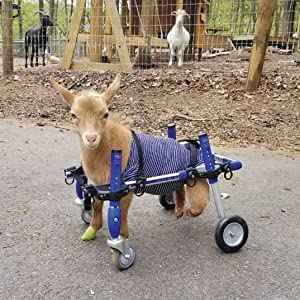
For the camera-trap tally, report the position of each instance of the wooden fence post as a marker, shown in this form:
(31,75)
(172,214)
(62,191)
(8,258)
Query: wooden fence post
(262,32)
(7,22)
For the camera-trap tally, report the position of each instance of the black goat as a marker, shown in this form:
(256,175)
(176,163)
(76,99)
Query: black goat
(37,38)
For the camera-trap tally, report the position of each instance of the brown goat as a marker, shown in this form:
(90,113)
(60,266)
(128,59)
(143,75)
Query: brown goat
(99,133)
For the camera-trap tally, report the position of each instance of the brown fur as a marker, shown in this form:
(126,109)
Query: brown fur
(89,108)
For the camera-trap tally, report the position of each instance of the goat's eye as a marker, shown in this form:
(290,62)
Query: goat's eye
(105,116)
(73,116)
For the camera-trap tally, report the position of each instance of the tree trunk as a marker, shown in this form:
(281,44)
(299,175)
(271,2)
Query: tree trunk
(51,28)
(20,19)
(263,27)
(71,9)
(277,18)
(7,38)
(234,16)
(41,8)
(288,18)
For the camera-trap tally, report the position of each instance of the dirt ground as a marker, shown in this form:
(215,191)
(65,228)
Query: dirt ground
(204,96)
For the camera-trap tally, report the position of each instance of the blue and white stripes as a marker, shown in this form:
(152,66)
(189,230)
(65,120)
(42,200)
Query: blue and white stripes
(161,156)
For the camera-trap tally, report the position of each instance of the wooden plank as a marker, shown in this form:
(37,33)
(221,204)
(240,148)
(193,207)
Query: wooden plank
(96,30)
(119,35)
(7,22)
(130,40)
(83,66)
(217,41)
(73,34)
(144,57)
(262,32)
(108,32)
(179,4)
(200,32)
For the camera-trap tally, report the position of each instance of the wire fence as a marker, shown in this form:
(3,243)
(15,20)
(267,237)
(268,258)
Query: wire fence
(135,31)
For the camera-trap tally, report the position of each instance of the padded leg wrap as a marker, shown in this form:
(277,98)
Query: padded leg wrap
(90,234)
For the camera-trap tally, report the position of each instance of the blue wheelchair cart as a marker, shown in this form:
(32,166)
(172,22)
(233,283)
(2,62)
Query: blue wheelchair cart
(231,231)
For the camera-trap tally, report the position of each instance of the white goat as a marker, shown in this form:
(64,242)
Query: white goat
(178,38)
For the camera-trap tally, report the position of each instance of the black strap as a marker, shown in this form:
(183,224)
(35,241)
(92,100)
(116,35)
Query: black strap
(193,159)
(140,179)
(192,145)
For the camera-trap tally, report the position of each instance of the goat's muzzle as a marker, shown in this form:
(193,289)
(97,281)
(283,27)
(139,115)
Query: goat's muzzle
(90,140)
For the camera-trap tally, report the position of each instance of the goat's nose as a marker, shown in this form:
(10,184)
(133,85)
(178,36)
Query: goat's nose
(91,138)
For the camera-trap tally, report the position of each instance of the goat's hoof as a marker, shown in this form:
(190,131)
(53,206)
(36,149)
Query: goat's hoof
(26,66)
(44,64)
(37,64)
(179,214)
(90,234)
(32,65)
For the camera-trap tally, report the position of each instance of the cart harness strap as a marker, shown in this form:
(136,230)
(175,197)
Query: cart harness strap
(140,178)
(191,145)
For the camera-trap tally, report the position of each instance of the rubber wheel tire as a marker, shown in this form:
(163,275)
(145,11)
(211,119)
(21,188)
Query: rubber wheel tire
(86,215)
(119,260)
(167,201)
(231,234)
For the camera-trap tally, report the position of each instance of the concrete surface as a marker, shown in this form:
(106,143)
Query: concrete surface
(42,256)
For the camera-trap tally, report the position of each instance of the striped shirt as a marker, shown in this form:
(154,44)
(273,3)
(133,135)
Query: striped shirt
(161,156)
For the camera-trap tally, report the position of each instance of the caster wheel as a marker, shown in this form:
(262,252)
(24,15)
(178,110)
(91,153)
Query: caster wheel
(167,201)
(231,234)
(120,261)
(86,215)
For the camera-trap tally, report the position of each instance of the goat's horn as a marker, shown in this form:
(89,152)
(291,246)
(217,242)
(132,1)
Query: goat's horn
(112,89)
(40,12)
(65,93)
(173,13)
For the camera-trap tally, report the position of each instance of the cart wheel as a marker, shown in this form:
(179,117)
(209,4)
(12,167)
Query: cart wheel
(120,261)
(231,233)
(86,215)
(167,201)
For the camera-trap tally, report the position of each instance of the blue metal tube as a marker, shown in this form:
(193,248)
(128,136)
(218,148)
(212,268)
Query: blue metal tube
(172,131)
(114,210)
(207,155)
(234,164)
(79,190)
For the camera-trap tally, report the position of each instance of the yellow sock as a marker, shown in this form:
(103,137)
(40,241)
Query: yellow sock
(90,234)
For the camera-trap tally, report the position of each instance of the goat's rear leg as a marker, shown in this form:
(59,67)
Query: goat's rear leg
(96,221)
(179,203)
(26,56)
(125,204)
(43,55)
(32,56)
(198,197)
(37,56)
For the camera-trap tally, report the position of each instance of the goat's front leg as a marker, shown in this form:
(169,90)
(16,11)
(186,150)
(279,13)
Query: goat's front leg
(172,55)
(96,221)
(180,55)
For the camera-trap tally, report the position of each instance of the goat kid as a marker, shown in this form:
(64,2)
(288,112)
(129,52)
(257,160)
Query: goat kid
(178,38)
(37,39)
(99,132)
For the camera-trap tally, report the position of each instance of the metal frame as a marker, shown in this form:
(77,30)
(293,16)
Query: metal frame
(214,165)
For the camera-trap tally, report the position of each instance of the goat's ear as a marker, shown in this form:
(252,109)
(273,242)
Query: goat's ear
(65,93)
(186,14)
(112,89)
